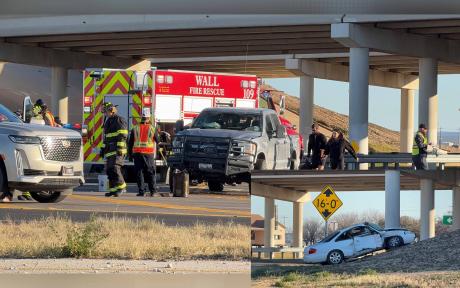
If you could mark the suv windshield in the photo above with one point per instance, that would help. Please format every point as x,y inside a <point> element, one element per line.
<point>228,120</point>
<point>7,116</point>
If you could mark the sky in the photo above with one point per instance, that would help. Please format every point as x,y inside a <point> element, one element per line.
<point>384,107</point>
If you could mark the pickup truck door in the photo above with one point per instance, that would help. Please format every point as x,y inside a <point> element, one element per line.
<point>270,153</point>
<point>283,145</point>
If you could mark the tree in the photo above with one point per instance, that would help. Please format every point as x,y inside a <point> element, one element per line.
<point>312,231</point>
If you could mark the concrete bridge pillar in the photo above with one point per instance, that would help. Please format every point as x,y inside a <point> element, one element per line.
<point>456,208</point>
<point>407,121</point>
<point>298,227</point>
<point>306,107</point>
<point>427,213</point>
<point>428,97</point>
<point>359,101</point>
<point>392,198</point>
<point>269,224</point>
<point>59,98</point>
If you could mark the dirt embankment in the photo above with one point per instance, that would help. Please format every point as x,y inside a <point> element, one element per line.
<point>381,139</point>
<point>437,254</point>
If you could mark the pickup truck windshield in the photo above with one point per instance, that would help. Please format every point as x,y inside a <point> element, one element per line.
<point>7,116</point>
<point>228,120</point>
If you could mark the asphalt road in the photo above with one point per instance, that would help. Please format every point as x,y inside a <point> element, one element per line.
<point>231,205</point>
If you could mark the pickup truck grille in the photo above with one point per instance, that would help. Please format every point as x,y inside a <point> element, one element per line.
<point>62,149</point>
<point>207,147</point>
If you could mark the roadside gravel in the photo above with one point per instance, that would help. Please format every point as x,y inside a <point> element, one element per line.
<point>101,266</point>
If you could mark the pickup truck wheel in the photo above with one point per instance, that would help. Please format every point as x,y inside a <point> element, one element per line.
<point>261,164</point>
<point>48,196</point>
<point>215,186</point>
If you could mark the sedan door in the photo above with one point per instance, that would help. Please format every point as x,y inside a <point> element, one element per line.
<point>364,239</point>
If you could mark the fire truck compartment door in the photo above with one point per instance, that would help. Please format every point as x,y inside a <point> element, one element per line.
<point>245,103</point>
<point>168,108</point>
<point>196,104</point>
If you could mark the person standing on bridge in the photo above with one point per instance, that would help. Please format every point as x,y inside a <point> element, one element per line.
<point>336,147</point>
<point>420,148</point>
<point>141,147</point>
<point>114,148</point>
<point>316,147</point>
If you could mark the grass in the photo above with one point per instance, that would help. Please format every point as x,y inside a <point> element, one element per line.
<point>122,238</point>
<point>364,278</point>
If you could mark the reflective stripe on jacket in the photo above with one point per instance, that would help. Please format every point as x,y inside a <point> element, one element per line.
<point>416,147</point>
<point>144,139</point>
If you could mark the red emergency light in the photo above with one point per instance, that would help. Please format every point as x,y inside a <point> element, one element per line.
<point>88,100</point>
<point>147,101</point>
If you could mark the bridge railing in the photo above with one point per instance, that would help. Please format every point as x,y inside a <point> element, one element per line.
<point>282,250</point>
<point>397,160</point>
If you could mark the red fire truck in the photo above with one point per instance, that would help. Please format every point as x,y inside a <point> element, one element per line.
<point>165,95</point>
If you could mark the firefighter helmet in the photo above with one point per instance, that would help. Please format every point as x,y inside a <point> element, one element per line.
<point>108,106</point>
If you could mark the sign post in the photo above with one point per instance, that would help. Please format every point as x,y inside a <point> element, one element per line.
<point>327,202</point>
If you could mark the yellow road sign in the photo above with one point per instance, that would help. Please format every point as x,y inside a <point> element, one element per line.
<point>327,202</point>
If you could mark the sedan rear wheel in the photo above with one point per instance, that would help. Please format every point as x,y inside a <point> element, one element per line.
<point>335,257</point>
<point>394,242</point>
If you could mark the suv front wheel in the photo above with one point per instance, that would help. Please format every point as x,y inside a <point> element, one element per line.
<point>48,196</point>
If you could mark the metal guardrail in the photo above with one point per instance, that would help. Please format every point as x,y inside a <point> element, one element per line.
<point>386,160</point>
<point>271,250</point>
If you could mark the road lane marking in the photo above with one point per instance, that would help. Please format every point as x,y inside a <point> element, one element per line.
<point>53,209</point>
<point>142,203</point>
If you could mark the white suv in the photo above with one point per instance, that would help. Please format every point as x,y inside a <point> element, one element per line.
<point>45,161</point>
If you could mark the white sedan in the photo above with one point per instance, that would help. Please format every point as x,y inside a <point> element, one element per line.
<point>354,241</point>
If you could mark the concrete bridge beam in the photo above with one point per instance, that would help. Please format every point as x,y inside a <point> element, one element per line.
<point>427,212</point>
<point>392,198</point>
<point>298,226</point>
<point>407,120</point>
<point>359,101</point>
<point>269,224</point>
<point>456,208</point>
<point>59,97</point>
<point>306,106</point>
<point>428,97</point>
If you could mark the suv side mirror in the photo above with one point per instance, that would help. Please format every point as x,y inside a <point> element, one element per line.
<point>179,125</point>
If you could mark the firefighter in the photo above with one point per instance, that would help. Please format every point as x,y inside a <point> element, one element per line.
<point>114,148</point>
<point>141,147</point>
<point>420,148</point>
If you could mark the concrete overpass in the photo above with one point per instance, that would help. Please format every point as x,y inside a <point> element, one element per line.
<point>397,51</point>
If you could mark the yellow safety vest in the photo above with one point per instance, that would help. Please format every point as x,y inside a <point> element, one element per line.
<point>415,149</point>
<point>143,139</point>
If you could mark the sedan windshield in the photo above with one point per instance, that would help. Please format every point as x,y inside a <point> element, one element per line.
<point>228,120</point>
<point>7,116</point>
<point>330,237</point>
<point>375,227</point>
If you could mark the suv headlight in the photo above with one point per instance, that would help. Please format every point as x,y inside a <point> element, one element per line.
<point>24,139</point>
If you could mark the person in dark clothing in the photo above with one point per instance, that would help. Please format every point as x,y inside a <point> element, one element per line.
<point>141,147</point>
<point>114,149</point>
<point>316,147</point>
<point>335,148</point>
<point>420,148</point>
